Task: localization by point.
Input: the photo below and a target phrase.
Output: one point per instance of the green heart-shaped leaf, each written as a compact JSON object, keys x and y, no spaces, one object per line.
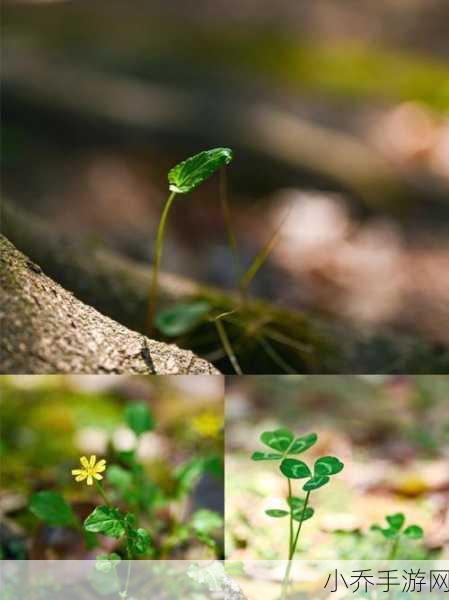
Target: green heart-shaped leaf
{"x":139,"y":418}
{"x":279,"y":439}
{"x":190,"y":173}
{"x":106,"y":520}
{"x":303,"y":515}
{"x":303,"y":443}
{"x":181,"y":318}
{"x":414,"y":532}
{"x":295,"y":469}
{"x":274,"y":512}
{"x":315,"y":483}
{"x":327,"y":465}
{"x":265,"y":456}
{"x":396,"y":521}
{"x":295,"y":503}
{"x":51,"y":508}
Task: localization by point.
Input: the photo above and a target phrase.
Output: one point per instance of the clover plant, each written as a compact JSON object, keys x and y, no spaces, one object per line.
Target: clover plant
{"x":182,"y":179}
{"x":395,"y":531}
{"x":284,"y":446}
{"x":130,"y":494}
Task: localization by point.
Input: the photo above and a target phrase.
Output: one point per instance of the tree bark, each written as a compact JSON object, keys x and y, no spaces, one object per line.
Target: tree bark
{"x":118,"y":287}
{"x":45,"y":329}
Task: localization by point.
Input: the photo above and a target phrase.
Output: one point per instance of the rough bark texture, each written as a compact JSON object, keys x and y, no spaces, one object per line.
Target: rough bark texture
{"x":45,"y":329}
{"x":118,"y":287}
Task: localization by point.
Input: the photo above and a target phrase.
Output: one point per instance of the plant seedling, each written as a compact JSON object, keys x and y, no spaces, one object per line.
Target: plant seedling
{"x":182,"y":179}
{"x":285,"y":445}
{"x":395,"y":532}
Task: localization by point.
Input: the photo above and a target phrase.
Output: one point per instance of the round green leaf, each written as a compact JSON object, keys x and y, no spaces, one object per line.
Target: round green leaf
{"x":315,"y":483}
{"x":280,"y":439}
{"x":190,"y":173}
{"x":275,"y":512}
{"x":299,"y":516}
{"x":266,"y":456}
{"x":396,"y":521}
{"x":414,"y":532}
{"x":303,"y":443}
{"x":295,"y":469}
{"x":139,"y":417}
{"x":106,"y":520}
{"x":327,"y":465}
{"x":51,"y":508}
{"x":181,"y":318}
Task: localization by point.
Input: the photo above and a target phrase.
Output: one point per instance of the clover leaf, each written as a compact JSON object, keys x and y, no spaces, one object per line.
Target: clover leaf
{"x":277,"y":513}
{"x":295,"y":469}
{"x":280,"y":439}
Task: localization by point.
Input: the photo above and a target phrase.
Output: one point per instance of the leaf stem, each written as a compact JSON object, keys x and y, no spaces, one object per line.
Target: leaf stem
{"x":227,"y":346}
{"x":394,"y":548}
{"x":286,"y":581}
{"x":228,"y":220}
{"x":291,"y":518}
{"x":100,"y":488}
{"x":152,"y":302}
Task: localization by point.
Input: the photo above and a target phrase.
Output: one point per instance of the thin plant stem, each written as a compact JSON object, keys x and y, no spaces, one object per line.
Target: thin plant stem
{"x":100,"y":488}
{"x":286,"y":581}
{"x":227,"y":346}
{"x":394,"y":549}
{"x":275,"y":356}
{"x":228,"y":221}
{"x":152,"y":301}
{"x":261,"y":258}
{"x":291,"y":518}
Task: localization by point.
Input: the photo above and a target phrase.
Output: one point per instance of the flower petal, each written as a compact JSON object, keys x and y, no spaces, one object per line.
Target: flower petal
{"x":99,"y":468}
{"x":84,"y":462}
{"x":92,"y":461}
{"x":81,"y":477}
{"x":77,"y":471}
{"x":97,"y":476}
{"x":101,"y":463}
{"x":90,"y":481}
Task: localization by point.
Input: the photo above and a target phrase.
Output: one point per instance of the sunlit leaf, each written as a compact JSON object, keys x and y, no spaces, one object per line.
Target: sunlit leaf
{"x":190,"y":173}
{"x":139,"y":540}
{"x":181,"y":318}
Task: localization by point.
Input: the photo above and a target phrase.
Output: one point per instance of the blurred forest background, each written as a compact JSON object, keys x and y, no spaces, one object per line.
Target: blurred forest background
{"x":47,"y":423}
{"x":336,"y":111}
{"x":392,"y":434}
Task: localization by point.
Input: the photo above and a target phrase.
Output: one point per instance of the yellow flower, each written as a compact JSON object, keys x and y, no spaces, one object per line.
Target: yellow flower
{"x":91,"y":470}
{"x":207,"y":424}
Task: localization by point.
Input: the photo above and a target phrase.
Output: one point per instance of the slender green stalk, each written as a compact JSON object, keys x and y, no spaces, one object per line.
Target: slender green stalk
{"x":394,"y":549}
{"x":100,"y":488}
{"x":290,"y":543}
{"x":227,"y":346}
{"x":293,"y":547}
{"x":152,"y":303}
{"x":228,"y":221}
{"x":260,"y":259}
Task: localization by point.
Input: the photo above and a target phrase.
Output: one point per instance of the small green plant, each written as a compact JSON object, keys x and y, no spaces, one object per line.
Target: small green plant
{"x":129,"y":495}
{"x":285,"y":446}
{"x":182,"y":179}
{"x":394,"y":532}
